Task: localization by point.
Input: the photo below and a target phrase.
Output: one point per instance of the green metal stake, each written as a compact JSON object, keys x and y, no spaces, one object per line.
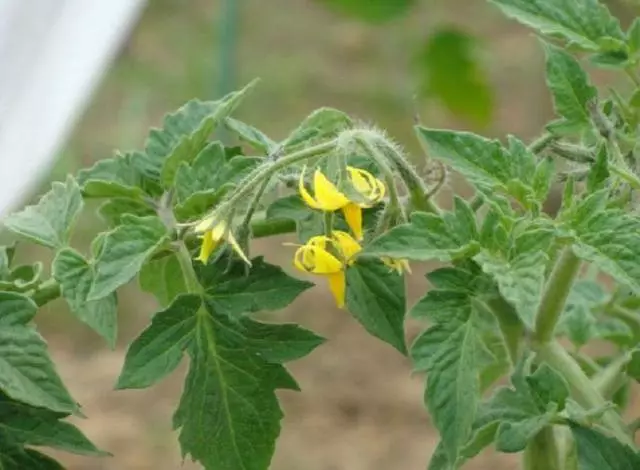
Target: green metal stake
{"x":227,"y":42}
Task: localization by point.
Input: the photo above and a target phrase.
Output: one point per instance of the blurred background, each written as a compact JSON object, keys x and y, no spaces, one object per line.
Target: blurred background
{"x":453,"y":63}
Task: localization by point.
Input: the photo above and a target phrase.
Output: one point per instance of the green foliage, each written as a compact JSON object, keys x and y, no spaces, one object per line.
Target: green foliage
{"x":376,"y":11}
{"x":597,"y":451}
{"x":450,"y":72}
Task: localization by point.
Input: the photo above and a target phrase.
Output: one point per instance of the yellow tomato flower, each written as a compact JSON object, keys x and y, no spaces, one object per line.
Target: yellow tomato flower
{"x":212,"y":233}
{"x":329,"y":256}
{"x":327,"y":197}
{"x":398,"y":265}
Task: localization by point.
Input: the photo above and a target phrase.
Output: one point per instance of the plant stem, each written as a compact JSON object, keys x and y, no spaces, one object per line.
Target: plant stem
{"x":265,"y":171}
{"x":583,"y":390}
{"x":268,"y":228}
{"x":633,"y":76}
{"x":542,"y":452}
{"x":44,"y":292}
{"x":186,"y":265}
{"x":510,"y":325}
{"x":555,"y":294}
{"x":541,"y":142}
{"x":609,"y":379}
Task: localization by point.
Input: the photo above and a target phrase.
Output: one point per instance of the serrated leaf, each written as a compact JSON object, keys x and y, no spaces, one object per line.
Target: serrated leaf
{"x":159,"y":349}
{"x":376,"y":298}
{"x":22,"y":278}
{"x":234,"y":290}
{"x":13,"y":456}
{"x":184,"y":134}
{"x":547,"y":386}
{"x":288,"y":207}
{"x":449,"y":352}
{"x":323,"y":123}
{"x":213,"y":168}
{"x":375,"y":11}
{"x":163,"y":278}
{"x":430,"y":237}
{"x":599,"y":452}
{"x":578,"y":321}
{"x":119,"y":176}
{"x":570,"y":87}
{"x":584,"y":23}
{"x":26,"y":371}
{"x":254,"y":137}
{"x":114,"y":209}
{"x":449,"y":71}
{"x":520,"y":280}
{"x":599,"y":171}
{"x":29,"y":425}
{"x":607,"y":237}
{"x":49,"y":222}
{"x":75,"y":276}
{"x":486,"y":163}
{"x":124,"y":251}
{"x":200,"y":203}
{"x":229,"y":393}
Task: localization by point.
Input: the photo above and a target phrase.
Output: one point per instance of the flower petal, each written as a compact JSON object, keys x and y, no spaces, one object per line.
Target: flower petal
{"x":366,"y":184}
{"x":328,"y":197}
{"x":347,"y":245}
{"x":315,"y":260}
{"x":338,"y":286}
{"x":205,"y":224}
{"x":236,"y":247}
{"x":353,"y":215}
{"x":306,"y":196}
{"x":207,"y":247}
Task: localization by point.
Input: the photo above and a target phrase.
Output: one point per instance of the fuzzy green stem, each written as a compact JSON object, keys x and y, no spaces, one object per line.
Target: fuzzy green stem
{"x":255,"y":178}
{"x":510,"y":325}
{"x":542,"y":452}
{"x":268,"y":228}
{"x":582,"y":389}
{"x":626,"y":175}
{"x":45,"y":292}
{"x":539,"y":144}
{"x":611,"y":378}
{"x":555,"y":294}
{"x":186,"y":265}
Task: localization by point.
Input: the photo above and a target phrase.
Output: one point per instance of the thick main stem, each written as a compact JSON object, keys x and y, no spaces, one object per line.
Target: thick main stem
{"x":510,"y":326}
{"x":555,"y":294}
{"x":542,"y":452}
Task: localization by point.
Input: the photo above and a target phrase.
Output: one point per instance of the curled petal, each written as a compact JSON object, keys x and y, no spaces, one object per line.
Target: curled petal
{"x":236,"y":247}
{"x":315,"y":260}
{"x":346,"y":244}
{"x":366,"y":184}
{"x":327,"y":196}
{"x":353,"y":216}
{"x":338,"y":284}
{"x":306,"y":196}
{"x":205,"y":224}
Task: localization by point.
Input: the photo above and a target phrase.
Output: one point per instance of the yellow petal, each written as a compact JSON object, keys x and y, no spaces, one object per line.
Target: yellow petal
{"x":337,"y":284}
{"x":366,"y":184}
{"x":207,"y":247}
{"x":353,"y":215}
{"x":315,"y":260}
{"x":399,"y":265}
{"x":346,"y":244}
{"x":328,"y":197}
{"x":306,"y":196}
{"x":236,"y":247}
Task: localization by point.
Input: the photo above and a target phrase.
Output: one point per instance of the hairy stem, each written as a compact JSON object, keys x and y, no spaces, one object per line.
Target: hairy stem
{"x":612,"y":377}
{"x":555,"y":294}
{"x":44,"y":292}
{"x":542,"y":452}
{"x":583,"y":390}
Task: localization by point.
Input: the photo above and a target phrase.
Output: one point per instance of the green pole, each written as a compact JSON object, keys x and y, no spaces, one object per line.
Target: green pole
{"x":227,"y":41}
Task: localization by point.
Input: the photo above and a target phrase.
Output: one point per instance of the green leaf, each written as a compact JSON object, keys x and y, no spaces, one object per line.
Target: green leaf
{"x":233,"y":290}
{"x":520,"y":280}
{"x":633,"y":37}
{"x":49,"y":222}
{"x":449,"y":71}
{"x":26,"y":371}
{"x":254,"y":137}
{"x":450,"y":353}
{"x":229,"y":393}
{"x":288,"y":207}
{"x":200,"y":203}
{"x":427,"y":237}
{"x":607,"y":237}
{"x":599,"y":171}
{"x":75,"y":276}
{"x":185,"y":132}
{"x":633,"y":368}
{"x":375,"y":11}
{"x":29,"y":425}
{"x":159,"y":349}
{"x":22,"y":278}
{"x":212,"y":169}
{"x":599,"y":452}
{"x":13,"y":456}
{"x":163,"y":278}
{"x":323,"y":123}
{"x":578,"y":321}
{"x":119,"y":176}
{"x":570,"y":87}
{"x":376,"y":298}
{"x":114,"y":209}
{"x":486,"y":163}
{"x":584,"y":23}
{"x":124,"y":251}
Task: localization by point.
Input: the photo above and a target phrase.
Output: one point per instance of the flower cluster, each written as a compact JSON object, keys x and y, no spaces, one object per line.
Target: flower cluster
{"x":330,"y":255}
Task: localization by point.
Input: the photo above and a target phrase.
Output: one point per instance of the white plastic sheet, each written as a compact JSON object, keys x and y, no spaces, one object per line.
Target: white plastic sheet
{"x":52,"y":55}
